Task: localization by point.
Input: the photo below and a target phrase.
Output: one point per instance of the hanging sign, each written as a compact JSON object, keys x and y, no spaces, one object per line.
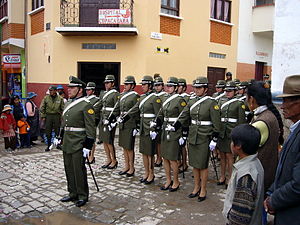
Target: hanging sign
{"x":11,"y":59}
{"x":114,"y":16}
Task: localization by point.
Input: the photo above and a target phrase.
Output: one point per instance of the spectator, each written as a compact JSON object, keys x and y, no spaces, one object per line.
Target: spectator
{"x":284,"y":195}
{"x":32,"y":117}
{"x":244,"y":197}
{"x":61,"y":92}
{"x":8,"y":127}
{"x":24,"y":129}
{"x":18,"y":108}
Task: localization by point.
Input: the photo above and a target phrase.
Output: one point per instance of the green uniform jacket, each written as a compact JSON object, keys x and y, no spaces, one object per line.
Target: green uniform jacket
{"x":78,"y":114}
{"x":186,"y":97}
{"x":127,"y":102}
{"x":98,"y":106}
{"x":162,"y":95}
{"x":234,"y":111}
{"x":208,"y":111}
{"x":51,"y":105}
{"x":93,"y":99}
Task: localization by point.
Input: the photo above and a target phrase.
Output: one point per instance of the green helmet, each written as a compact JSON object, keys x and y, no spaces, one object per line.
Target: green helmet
{"x":90,"y":85}
{"x":181,"y":82}
{"x":200,"y":82}
{"x":243,"y":85}
{"x":109,"y":78}
{"x":158,"y":80}
{"x":230,"y":85}
{"x":147,"y":79}
{"x":237,"y":81}
{"x":129,"y":80}
{"x":221,"y":84}
{"x":76,"y":82}
{"x":172,"y":81}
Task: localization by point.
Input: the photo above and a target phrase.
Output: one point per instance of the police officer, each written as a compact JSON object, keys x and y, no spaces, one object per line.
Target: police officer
{"x":203,"y":116}
{"x":51,"y":109}
{"x":228,"y":76}
{"x":109,"y":110}
{"x":171,"y":148}
{"x":90,"y":95}
{"x":128,"y":125}
{"x":78,"y":139}
{"x":232,"y":114}
{"x":159,"y":91}
{"x":219,"y":90}
{"x":237,"y":81}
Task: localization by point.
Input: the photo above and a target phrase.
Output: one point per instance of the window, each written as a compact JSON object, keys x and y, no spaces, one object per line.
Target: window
{"x":37,"y":3}
{"x":3,"y":8}
{"x":221,"y":10}
{"x":170,"y":7}
{"x":264,"y":2}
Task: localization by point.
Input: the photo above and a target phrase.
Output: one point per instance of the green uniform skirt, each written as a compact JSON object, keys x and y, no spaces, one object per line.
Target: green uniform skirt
{"x":147,"y":146}
{"x":126,"y":140}
{"x":224,"y":144}
{"x":106,"y":136}
{"x":198,"y":155}
{"x":170,"y":150}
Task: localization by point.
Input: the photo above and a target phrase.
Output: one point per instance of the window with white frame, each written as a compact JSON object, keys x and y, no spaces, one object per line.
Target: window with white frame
{"x":37,"y":4}
{"x":170,"y":7}
{"x":221,"y":10}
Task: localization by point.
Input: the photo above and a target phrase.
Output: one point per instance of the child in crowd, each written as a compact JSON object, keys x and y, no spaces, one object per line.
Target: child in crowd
{"x":24,"y":132}
{"x":244,"y":197}
{"x":8,"y":126}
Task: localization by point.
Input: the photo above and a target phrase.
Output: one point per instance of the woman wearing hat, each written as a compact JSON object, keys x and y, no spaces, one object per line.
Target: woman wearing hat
{"x":203,"y":116}
{"x":171,"y":149}
{"x":32,"y":117}
{"x":232,"y":114}
{"x":8,"y":126}
{"x":128,"y":99}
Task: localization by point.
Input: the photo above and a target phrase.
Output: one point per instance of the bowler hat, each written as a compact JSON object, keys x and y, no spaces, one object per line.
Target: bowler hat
{"x":6,"y":108}
{"x":291,"y":87}
{"x":31,"y":95}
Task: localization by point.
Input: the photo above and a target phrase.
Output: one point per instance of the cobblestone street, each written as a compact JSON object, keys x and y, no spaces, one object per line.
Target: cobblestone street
{"x":32,"y":182}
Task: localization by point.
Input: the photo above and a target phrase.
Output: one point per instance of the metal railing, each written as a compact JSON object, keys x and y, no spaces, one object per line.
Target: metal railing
{"x":264,"y":2}
{"x":72,"y":13}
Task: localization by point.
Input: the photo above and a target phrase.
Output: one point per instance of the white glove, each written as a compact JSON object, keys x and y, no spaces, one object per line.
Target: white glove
{"x":56,"y":141}
{"x":86,"y":152}
{"x":212,"y":145}
{"x":153,"y":135}
{"x":135,"y":132}
{"x":28,"y":129}
{"x":120,"y":120}
{"x":170,"y":128}
{"x":182,"y":140}
{"x":112,"y":125}
{"x":153,"y":124}
{"x":105,"y":122}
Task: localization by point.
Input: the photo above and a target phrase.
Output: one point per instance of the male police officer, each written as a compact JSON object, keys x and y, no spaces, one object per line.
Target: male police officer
{"x":78,"y":139}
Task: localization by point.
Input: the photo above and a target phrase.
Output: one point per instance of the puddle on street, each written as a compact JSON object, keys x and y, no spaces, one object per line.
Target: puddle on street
{"x":56,"y":218}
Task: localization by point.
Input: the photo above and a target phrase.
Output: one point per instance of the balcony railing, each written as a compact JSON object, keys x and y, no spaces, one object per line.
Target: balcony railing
{"x":80,"y":13}
{"x":264,"y":2}
{"x":3,"y":8}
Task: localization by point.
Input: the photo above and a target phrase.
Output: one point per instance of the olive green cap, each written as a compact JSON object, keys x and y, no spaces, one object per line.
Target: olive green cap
{"x":90,"y":85}
{"x":200,"y":82}
{"x":75,"y":82}
{"x":158,"y":80}
{"x":147,"y":79}
{"x":129,"y":80}
{"x":237,"y":81}
{"x":221,"y":84}
{"x":182,"y":82}
{"x":109,"y":78}
{"x":230,"y":85}
{"x":52,"y":87}
{"x":243,"y":85}
{"x":173,"y":81}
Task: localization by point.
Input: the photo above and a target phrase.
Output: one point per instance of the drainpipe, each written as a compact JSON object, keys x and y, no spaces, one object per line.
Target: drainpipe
{"x":24,"y":54}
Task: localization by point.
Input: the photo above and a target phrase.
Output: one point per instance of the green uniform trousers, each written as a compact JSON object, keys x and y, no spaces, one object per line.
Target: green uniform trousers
{"x":76,"y":175}
{"x":52,"y":123}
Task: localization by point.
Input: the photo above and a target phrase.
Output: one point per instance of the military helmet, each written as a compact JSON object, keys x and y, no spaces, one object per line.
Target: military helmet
{"x":230,"y":85}
{"x":182,"y":82}
{"x":237,"y":81}
{"x":158,"y":80}
{"x":200,"y":82}
{"x":251,"y":81}
{"x":243,"y":85}
{"x":172,"y":81}
{"x":221,"y":84}
{"x":52,"y":87}
{"x":129,"y":80}
{"x":75,"y":82}
{"x":147,"y":80}
{"x":229,"y":74}
{"x":109,"y":78}
{"x":90,"y":85}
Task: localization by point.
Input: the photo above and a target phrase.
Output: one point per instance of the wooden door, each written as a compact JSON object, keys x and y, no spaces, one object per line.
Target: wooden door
{"x":213,"y":75}
{"x":259,"y":70}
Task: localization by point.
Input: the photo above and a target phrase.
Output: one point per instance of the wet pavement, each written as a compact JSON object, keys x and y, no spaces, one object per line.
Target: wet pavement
{"x":32,"y":182}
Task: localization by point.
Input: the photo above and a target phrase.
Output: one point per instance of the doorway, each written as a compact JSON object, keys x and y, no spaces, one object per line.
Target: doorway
{"x":213,"y":75}
{"x":96,"y":72}
{"x":259,"y":70}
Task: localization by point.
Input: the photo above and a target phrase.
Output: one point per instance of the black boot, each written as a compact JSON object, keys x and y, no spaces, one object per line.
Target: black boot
{"x":49,"y":144}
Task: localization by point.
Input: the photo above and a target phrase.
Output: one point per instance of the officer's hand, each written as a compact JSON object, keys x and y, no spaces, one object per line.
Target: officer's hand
{"x":212,"y":145}
{"x":170,"y":128}
{"x":86,"y":152}
{"x":112,"y":125}
{"x":120,"y":120}
{"x":56,"y":141}
{"x":182,"y":141}
{"x":135,"y":132}
{"x":153,"y":135}
{"x":153,"y":124}
{"x":105,"y":122}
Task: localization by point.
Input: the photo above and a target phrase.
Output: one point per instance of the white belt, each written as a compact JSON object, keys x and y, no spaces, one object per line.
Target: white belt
{"x":170,"y":119}
{"x":230,"y":120}
{"x":74,"y":129}
{"x":201,"y":123}
{"x":147,"y":115}
{"x":108,"y":108}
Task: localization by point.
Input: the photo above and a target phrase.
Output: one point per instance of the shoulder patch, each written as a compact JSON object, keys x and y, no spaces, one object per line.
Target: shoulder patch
{"x":216,"y":107}
{"x":91,"y":111}
{"x":243,"y":106}
{"x":183,"y":103}
{"x":158,"y":100}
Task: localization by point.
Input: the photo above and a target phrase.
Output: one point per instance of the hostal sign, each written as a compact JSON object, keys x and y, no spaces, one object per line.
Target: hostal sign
{"x":114,"y":16}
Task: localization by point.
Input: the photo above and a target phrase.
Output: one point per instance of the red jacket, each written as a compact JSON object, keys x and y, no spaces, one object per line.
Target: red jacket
{"x":7,"y":121}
